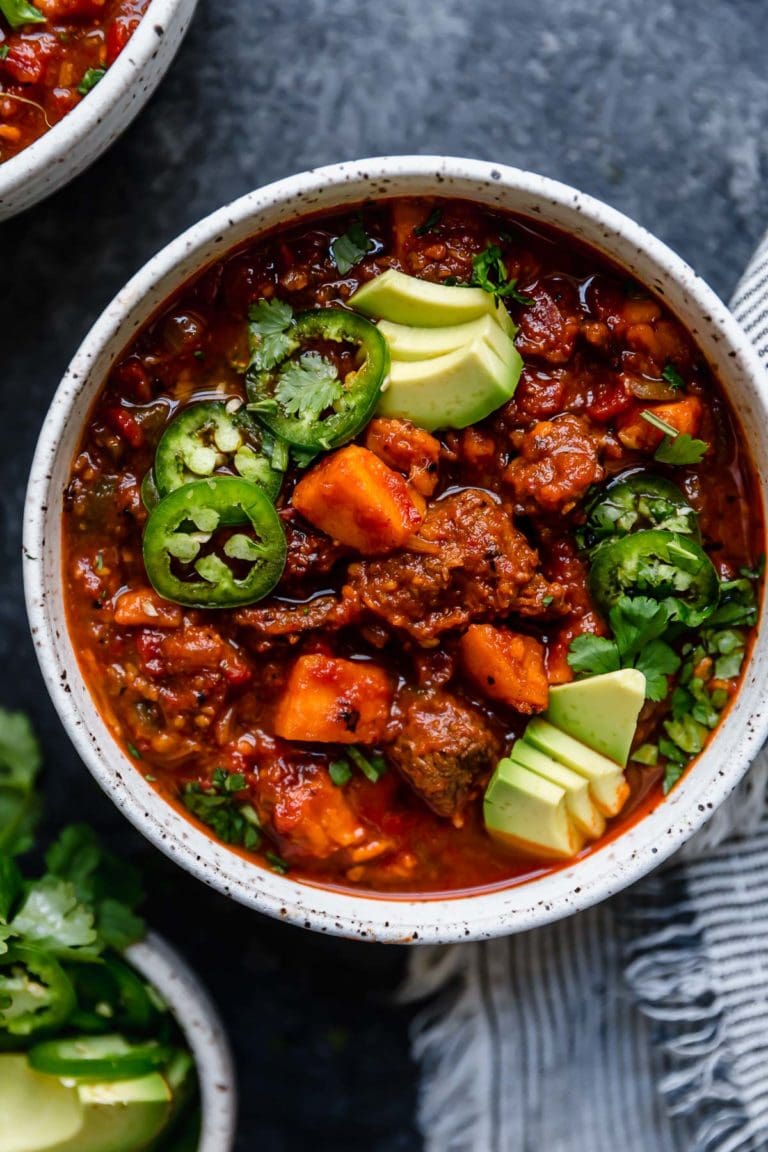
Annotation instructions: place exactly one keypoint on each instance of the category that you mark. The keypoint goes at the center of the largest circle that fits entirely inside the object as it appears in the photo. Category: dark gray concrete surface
(660, 108)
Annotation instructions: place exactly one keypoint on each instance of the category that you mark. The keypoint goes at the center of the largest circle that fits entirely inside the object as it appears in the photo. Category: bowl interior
(458, 917)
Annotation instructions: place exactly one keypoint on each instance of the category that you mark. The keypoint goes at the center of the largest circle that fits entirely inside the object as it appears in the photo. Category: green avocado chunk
(403, 299)
(601, 711)
(530, 813)
(581, 807)
(607, 783)
(456, 389)
(408, 343)
(37, 1112)
(40, 1113)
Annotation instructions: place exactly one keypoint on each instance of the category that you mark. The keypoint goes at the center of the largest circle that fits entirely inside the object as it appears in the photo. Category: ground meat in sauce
(194, 691)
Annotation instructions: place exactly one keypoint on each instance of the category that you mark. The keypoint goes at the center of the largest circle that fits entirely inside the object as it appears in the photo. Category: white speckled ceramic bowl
(96, 122)
(197, 1017)
(510, 909)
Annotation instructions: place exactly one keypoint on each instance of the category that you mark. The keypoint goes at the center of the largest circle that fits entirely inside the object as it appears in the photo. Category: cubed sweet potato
(331, 700)
(356, 499)
(635, 432)
(506, 666)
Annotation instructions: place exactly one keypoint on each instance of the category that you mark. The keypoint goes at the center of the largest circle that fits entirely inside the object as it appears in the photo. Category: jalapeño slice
(36, 994)
(303, 399)
(636, 503)
(190, 561)
(664, 566)
(109, 1057)
(206, 438)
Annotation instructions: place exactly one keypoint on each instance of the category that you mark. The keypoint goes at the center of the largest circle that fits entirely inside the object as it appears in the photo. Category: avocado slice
(607, 784)
(120, 1115)
(529, 813)
(408, 343)
(457, 389)
(601, 711)
(583, 811)
(405, 299)
(37, 1112)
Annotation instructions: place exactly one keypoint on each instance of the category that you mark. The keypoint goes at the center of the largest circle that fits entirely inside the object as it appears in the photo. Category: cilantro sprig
(308, 387)
(676, 447)
(19, 765)
(637, 624)
(351, 247)
(19, 12)
(489, 272)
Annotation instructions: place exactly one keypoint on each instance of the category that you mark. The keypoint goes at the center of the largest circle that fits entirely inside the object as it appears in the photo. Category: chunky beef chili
(362, 496)
(52, 53)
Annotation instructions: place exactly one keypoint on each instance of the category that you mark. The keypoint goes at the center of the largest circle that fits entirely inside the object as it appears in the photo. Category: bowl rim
(197, 1016)
(53, 146)
(439, 918)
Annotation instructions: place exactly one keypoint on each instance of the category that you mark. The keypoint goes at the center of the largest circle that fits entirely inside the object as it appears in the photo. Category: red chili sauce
(49, 65)
(190, 691)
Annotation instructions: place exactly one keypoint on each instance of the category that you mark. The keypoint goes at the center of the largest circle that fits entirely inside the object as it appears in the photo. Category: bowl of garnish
(73, 74)
(393, 550)
(108, 1042)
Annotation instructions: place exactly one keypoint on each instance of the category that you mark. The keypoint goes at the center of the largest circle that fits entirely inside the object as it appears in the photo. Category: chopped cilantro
(99, 562)
(340, 772)
(489, 272)
(672, 773)
(430, 224)
(350, 248)
(90, 80)
(672, 376)
(18, 12)
(373, 769)
(4, 50)
(276, 863)
(676, 447)
(231, 820)
(268, 324)
(308, 386)
(134, 751)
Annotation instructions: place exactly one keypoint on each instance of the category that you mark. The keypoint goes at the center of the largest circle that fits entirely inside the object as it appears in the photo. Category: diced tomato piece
(125, 424)
(119, 33)
(28, 57)
(610, 399)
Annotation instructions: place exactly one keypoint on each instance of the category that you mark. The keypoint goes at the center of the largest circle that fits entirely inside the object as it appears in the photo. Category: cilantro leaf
(350, 248)
(676, 447)
(18, 12)
(682, 449)
(372, 768)
(308, 386)
(637, 624)
(269, 322)
(90, 80)
(657, 661)
(19, 766)
(672, 376)
(593, 655)
(489, 272)
(19, 751)
(51, 917)
(430, 224)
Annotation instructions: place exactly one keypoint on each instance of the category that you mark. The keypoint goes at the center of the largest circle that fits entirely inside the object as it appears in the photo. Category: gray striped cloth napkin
(640, 1025)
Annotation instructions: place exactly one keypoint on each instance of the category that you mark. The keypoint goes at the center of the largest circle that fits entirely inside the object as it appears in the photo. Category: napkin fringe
(448, 1043)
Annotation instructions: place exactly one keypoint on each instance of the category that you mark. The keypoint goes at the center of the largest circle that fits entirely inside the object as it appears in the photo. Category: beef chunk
(445, 749)
(473, 564)
(558, 461)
